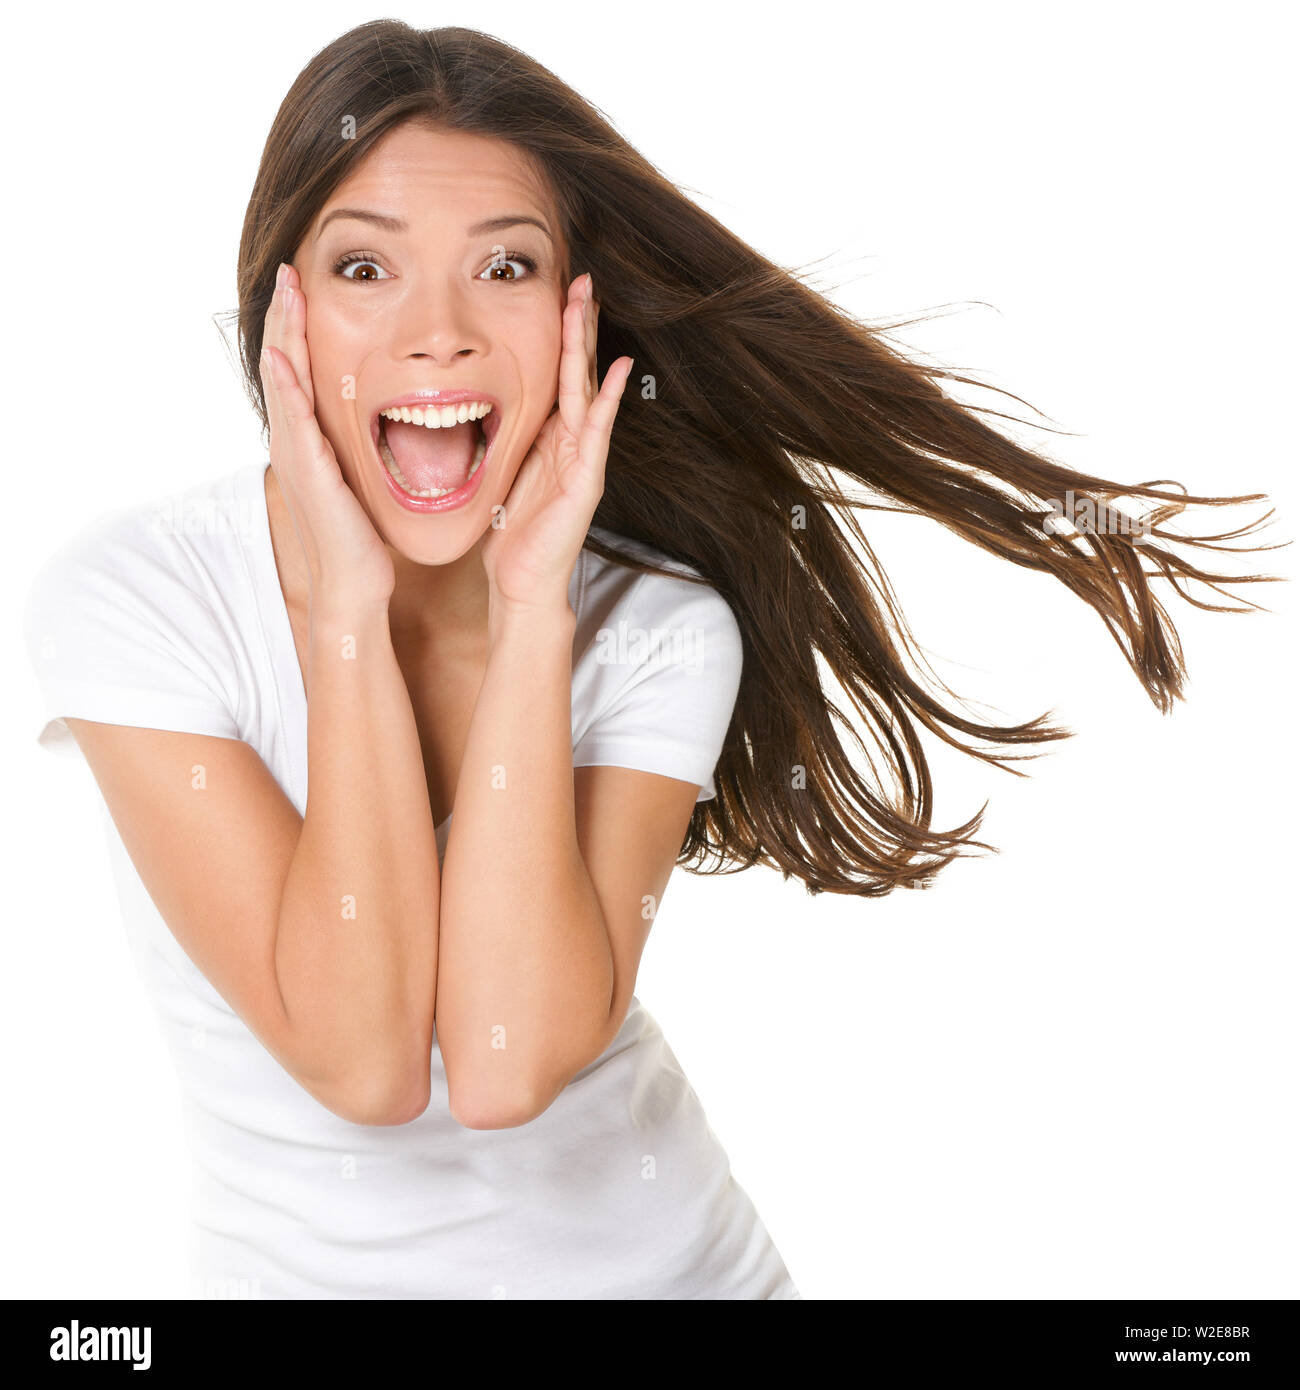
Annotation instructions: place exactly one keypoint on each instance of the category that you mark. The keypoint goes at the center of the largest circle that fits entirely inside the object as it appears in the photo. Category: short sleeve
(114, 635)
(667, 664)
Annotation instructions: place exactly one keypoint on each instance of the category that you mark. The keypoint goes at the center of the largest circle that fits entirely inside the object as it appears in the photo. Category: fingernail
(586, 294)
(265, 360)
(281, 275)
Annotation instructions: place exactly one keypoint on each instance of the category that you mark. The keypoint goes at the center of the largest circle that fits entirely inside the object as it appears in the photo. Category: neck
(439, 602)
(430, 603)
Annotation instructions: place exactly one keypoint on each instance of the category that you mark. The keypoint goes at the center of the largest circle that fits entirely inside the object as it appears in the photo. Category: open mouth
(433, 454)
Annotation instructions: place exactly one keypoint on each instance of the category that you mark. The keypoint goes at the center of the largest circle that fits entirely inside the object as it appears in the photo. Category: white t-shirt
(171, 616)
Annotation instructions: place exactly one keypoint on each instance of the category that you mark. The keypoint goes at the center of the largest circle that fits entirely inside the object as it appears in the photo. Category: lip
(491, 424)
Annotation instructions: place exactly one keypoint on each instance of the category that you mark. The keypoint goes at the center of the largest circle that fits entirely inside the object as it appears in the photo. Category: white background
(1068, 1070)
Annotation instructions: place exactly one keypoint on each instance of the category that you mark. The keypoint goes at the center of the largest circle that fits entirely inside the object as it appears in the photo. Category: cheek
(533, 329)
(538, 354)
(334, 349)
(329, 348)
(333, 368)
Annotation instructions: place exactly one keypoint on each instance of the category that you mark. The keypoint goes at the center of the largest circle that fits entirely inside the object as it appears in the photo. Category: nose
(436, 321)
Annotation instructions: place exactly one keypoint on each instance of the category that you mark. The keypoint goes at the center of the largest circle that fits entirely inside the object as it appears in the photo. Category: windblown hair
(769, 402)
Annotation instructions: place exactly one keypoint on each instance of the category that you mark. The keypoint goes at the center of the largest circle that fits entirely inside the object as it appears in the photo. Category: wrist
(345, 612)
(535, 619)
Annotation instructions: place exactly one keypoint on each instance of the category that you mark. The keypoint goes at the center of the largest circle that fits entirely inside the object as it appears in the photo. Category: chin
(440, 537)
(445, 548)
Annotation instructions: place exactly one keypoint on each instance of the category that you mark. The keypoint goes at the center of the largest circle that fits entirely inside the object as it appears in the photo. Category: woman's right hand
(347, 561)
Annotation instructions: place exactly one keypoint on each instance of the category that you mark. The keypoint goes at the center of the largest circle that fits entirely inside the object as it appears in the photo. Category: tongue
(433, 458)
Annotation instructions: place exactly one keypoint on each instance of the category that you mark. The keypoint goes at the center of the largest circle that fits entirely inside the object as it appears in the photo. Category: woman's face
(436, 297)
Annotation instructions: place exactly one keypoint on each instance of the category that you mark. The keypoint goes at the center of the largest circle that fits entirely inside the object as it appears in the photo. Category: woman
(526, 662)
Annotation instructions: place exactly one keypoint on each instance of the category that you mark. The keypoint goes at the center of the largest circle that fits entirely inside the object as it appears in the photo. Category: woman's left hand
(530, 553)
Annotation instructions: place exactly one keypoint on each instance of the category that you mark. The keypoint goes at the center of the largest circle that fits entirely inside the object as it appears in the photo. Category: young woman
(403, 735)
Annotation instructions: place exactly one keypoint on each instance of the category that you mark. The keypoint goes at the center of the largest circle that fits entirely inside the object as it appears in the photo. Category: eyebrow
(395, 224)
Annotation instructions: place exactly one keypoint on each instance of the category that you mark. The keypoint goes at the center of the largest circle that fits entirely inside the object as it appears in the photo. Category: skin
(523, 947)
(411, 318)
(428, 317)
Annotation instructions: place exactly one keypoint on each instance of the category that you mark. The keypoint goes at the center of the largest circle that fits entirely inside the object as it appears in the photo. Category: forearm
(357, 939)
(525, 973)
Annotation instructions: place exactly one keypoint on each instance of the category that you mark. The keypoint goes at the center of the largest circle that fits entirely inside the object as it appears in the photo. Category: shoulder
(97, 571)
(146, 559)
(137, 617)
(630, 617)
(657, 669)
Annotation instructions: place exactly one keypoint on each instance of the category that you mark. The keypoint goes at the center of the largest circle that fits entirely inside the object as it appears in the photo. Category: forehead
(414, 171)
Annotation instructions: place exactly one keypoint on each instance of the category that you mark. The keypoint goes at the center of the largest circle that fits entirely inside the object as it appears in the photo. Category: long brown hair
(768, 400)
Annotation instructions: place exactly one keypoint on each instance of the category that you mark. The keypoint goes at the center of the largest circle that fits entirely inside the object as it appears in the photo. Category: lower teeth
(429, 492)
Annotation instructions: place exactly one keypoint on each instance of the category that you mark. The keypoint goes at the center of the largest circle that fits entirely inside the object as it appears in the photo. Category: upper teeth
(435, 417)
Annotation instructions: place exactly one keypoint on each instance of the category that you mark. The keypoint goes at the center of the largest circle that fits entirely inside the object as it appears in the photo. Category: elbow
(395, 1098)
(484, 1109)
(502, 1102)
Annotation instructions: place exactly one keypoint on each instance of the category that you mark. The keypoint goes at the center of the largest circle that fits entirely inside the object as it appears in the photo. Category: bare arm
(320, 933)
(538, 940)
(525, 972)
(356, 942)
(548, 895)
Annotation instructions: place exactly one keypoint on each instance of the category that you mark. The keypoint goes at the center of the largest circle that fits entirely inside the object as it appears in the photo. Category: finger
(274, 327)
(281, 464)
(293, 328)
(272, 386)
(296, 439)
(575, 369)
(593, 442)
(272, 331)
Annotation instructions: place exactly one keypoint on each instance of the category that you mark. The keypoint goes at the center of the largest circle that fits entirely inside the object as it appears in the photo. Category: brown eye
(501, 269)
(366, 268)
